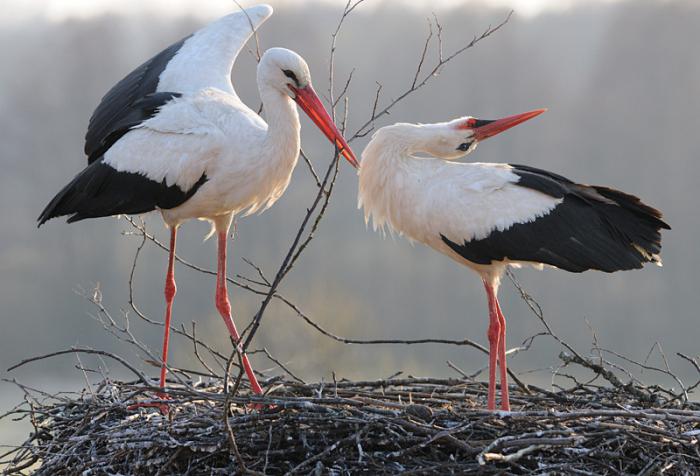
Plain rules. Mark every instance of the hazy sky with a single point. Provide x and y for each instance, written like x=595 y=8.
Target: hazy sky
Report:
x=14 y=10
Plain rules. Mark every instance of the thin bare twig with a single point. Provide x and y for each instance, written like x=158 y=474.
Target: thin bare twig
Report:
x=255 y=33
x=419 y=82
x=75 y=350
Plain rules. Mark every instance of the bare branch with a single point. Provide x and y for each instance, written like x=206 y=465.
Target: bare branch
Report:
x=310 y=166
x=423 y=55
x=344 y=91
x=75 y=350
x=281 y=365
x=255 y=35
x=419 y=82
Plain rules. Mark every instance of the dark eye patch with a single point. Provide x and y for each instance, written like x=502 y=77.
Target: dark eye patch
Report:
x=290 y=74
x=464 y=146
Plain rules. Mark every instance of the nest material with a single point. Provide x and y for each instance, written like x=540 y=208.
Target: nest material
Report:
x=408 y=426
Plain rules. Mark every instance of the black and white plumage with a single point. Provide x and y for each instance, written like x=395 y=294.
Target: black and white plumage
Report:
x=489 y=216
x=131 y=101
x=98 y=190
x=175 y=124
x=593 y=227
x=174 y=136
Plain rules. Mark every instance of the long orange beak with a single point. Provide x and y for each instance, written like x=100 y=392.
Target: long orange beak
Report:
x=485 y=129
x=309 y=102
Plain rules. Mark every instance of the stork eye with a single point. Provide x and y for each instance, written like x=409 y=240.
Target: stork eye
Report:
x=464 y=146
x=290 y=74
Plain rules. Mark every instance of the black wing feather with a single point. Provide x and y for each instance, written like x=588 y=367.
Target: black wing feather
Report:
x=130 y=102
x=592 y=228
x=100 y=190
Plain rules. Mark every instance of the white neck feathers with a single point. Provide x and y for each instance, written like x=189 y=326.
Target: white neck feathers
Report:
x=385 y=161
x=283 y=127
x=402 y=139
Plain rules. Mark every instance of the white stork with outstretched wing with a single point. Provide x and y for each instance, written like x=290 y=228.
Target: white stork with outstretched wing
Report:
x=174 y=136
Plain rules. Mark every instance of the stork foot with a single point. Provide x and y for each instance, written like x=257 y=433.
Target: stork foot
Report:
x=163 y=408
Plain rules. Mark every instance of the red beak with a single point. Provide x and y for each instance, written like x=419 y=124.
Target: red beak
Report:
x=490 y=128
x=309 y=102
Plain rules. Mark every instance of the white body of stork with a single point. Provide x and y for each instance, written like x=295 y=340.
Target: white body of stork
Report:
x=489 y=216
x=174 y=136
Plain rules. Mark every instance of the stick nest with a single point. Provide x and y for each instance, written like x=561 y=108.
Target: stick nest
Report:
x=408 y=426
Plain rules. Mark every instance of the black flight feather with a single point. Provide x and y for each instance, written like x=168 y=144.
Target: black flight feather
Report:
x=130 y=102
x=592 y=228
x=100 y=190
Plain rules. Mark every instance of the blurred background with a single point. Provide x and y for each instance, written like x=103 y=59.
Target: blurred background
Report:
x=620 y=78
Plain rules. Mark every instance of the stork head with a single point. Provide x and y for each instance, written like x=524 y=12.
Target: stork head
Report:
x=281 y=68
x=459 y=137
x=288 y=73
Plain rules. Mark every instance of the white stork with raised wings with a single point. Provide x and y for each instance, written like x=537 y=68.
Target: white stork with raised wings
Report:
x=490 y=216
x=174 y=136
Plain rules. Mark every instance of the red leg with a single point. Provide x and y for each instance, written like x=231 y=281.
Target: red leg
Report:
x=505 y=399
x=494 y=334
x=224 y=306
x=170 y=291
